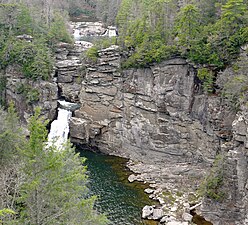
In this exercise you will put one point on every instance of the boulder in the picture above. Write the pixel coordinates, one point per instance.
(157, 214)
(68, 105)
(187, 217)
(147, 211)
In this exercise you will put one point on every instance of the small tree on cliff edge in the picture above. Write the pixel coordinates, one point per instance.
(54, 189)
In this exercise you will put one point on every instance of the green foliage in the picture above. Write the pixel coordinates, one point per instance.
(54, 187)
(206, 76)
(75, 12)
(31, 94)
(58, 31)
(4, 213)
(207, 33)
(187, 26)
(212, 185)
(3, 82)
(41, 184)
(149, 52)
(11, 141)
(24, 24)
(92, 53)
(11, 136)
(35, 58)
(235, 89)
(235, 85)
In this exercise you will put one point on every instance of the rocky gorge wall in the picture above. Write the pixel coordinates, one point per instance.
(159, 117)
(147, 114)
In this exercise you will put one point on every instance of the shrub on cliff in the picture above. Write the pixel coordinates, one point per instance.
(211, 187)
(57, 31)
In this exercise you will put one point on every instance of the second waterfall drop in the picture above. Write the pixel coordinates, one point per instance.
(60, 129)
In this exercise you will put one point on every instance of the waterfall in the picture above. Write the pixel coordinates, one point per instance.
(76, 34)
(60, 129)
(112, 32)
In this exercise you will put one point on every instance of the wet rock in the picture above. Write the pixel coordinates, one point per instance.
(187, 217)
(157, 214)
(147, 211)
(68, 105)
(149, 191)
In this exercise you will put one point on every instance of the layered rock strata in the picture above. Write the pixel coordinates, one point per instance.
(159, 117)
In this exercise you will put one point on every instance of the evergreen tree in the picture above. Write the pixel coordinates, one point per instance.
(11, 141)
(54, 186)
(188, 25)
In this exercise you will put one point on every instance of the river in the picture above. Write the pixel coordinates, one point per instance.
(120, 200)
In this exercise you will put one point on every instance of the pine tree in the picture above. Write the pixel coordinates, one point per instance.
(54, 188)
(187, 25)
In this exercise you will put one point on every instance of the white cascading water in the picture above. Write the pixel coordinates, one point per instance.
(112, 33)
(76, 34)
(59, 131)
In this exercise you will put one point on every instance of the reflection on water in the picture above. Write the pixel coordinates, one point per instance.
(120, 200)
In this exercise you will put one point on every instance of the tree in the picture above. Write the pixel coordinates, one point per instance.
(54, 186)
(234, 15)
(187, 25)
(11, 141)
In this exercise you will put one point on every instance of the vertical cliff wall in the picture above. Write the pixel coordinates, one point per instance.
(147, 114)
(157, 116)
(160, 116)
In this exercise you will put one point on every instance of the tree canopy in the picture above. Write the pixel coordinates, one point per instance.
(44, 186)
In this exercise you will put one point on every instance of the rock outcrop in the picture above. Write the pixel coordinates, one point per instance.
(146, 114)
(28, 94)
(233, 207)
(158, 117)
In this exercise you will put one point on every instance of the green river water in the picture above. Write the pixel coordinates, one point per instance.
(120, 200)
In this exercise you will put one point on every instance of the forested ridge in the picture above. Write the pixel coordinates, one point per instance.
(205, 32)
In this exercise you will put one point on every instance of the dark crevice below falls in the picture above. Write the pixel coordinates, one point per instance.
(120, 200)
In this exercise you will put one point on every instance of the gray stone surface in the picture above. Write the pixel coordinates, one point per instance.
(157, 214)
(147, 211)
(187, 217)
(19, 90)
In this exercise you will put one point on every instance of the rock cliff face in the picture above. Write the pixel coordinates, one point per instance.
(144, 114)
(233, 208)
(158, 117)
(28, 94)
